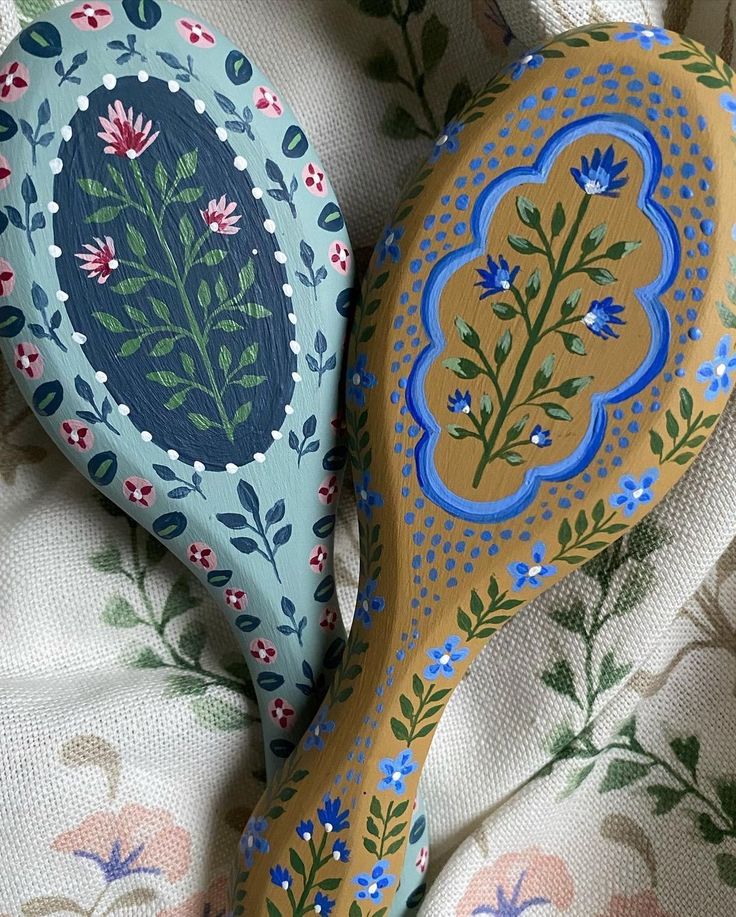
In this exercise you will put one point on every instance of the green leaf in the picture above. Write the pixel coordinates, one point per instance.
(620, 249)
(160, 177)
(192, 640)
(533, 285)
(610, 673)
(656, 443)
(164, 346)
(522, 245)
(185, 686)
(637, 584)
(213, 257)
(118, 612)
(528, 212)
(176, 400)
(503, 310)
(186, 232)
(544, 373)
(621, 773)
(457, 432)
(136, 241)
(248, 381)
(188, 196)
(398, 123)
(103, 215)
(467, 334)
(130, 346)
(383, 66)
(727, 317)
(434, 39)
(179, 601)
(463, 368)
(200, 421)
(486, 407)
(228, 324)
(137, 315)
(107, 560)
(216, 714)
(224, 358)
(576, 778)
(570, 617)
(572, 342)
(571, 301)
(220, 289)
(513, 458)
(593, 239)
(146, 659)
(726, 865)
(666, 798)
(564, 535)
(130, 285)
(93, 188)
(242, 414)
(186, 165)
(297, 864)
(709, 830)
(673, 428)
(247, 275)
(558, 219)
(726, 792)
(561, 679)
(556, 411)
(687, 752)
(399, 730)
(686, 404)
(460, 95)
(160, 308)
(165, 378)
(571, 387)
(248, 356)
(503, 348)
(204, 295)
(378, 8)
(600, 275)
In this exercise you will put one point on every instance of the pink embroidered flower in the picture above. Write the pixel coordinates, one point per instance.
(314, 179)
(99, 261)
(7, 278)
(423, 859)
(202, 555)
(318, 558)
(340, 257)
(268, 102)
(124, 135)
(263, 650)
(328, 489)
(91, 16)
(220, 218)
(195, 33)
(5, 172)
(134, 841)
(28, 360)
(643, 904)
(77, 435)
(213, 902)
(236, 599)
(328, 619)
(281, 713)
(140, 491)
(13, 81)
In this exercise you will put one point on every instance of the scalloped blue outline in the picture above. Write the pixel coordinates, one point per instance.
(637, 136)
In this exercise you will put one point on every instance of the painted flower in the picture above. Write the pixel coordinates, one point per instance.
(448, 141)
(315, 180)
(394, 770)
(139, 490)
(202, 555)
(14, 81)
(367, 498)
(318, 558)
(539, 437)
(388, 247)
(281, 713)
(252, 840)
(281, 877)
(323, 904)
(339, 255)
(28, 360)
(642, 904)
(422, 859)
(332, 817)
(5, 172)
(340, 852)
(634, 493)
(600, 175)
(372, 884)
(532, 574)
(328, 619)
(529, 62)
(100, 261)
(220, 218)
(237, 599)
(317, 730)
(195, 33)
(268, 102)
(368, 603)
(124, 134)
(77, 435)
(728, 102)
(213, 902)
(360, 379)
(134, 841)
(89, 17)
(646, 35)
(497, 278)
(443, 658)
(601, 315)
(305, 830)
(716, 373)
(459, 403)
(263, 651)
(327, 491)
(7, 278)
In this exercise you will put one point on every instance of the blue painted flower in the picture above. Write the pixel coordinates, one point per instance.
(728, 101)
(459, 403)
(601, 314)
(253, 841)
(634, 492)
(371, 884)
(305, 829)
(716, 372)
(497, 278)
(388, 247)
(319, 727)
(359, 379)
(646, 35)
(539, 437)
(367, 498)
(281, 877)
(443, 657)
(530, 62)
(600, 175)
(448, 141)
(394, 771)
(322, 904)
(532, 574)
(330, 816)
(368, 603)
(340, 851)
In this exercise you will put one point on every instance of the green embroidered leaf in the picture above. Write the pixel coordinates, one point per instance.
(561, 679)
(118, 612)
(687, 752)
(107, 560)
(434, 39)
(185, 686)
(192, 640)
(383, 66)
(575, 779)
(666, 798)
(726, 865)
(399, 124)
(621, 773)
(570, 617)
(637, 584)
(179, 601)
(709, 830)
(611, 673)
(726, 792)
(216, 714)
(459, 97)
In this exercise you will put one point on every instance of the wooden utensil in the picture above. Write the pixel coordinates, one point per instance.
(539, 354)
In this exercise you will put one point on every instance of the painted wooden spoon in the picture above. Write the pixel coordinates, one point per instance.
(538, 356)
(175, 277)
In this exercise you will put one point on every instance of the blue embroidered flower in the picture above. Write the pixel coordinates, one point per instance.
(368, 603)
(448, 141)
(601, 315)
(635, 492)
(531, 62)
(388, 247)
(319, 727)
(443, 657)
(513, 906)
(600, 175)
(359, 379)
(532, 574)
(253, 841)
(459, 403)
(540, 437)
(716, 372)
(371, 884)
(728, 101)
(305, 829)
(497, 278)
(367, 498)
(340, 851)
(394, 771)
(281, 877)
(646, 35)
(322, 904)
(330, 816)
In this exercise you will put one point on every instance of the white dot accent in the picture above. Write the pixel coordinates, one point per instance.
(221, 133)
(54, 251)
(56, 165)
(79, 338)
(199, 466)
(259, 457)
(277, 435)
(123, 409)
(231, 468)
(255, 251)
(146, 436)
(52, 207)
(82, 103)
(62, 296)
(288, 289)
(174, 86)
(288, 409)
(240, 163)
(296, 377)
(280, 257)
(269, 226)
(109, 81)
(295, 346)
(257, 193)
(199, 106)
(292, 318)
(66, 132)
(172, 454)
(142, 76)
(101, 376)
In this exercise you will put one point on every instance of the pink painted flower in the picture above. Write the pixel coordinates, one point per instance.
(202, 555)
(100, 261)
(28, 360)
(220, 218)
(124, 135)
(328, 619)
(90, 17)
(212, 903)
(314, 179)
(134, 841)
(5, 172)
(318, 558)
(643, 904)
(195, 33)
(268, 102)
(328, 489)
(140, 491)
(281, 713)
(14, 81)
(423, 860)
(77, 435)
(7, 278)
(340, 257)
(236, 599)
(263, 650)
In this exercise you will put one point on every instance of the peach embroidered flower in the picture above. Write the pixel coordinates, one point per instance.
(211, 903)
(339, 257)
(28, 360)
(139, 490)
(124, 134)
(100, 261)
(195, 33)
(202, 555)
(14, 81)
(7, 278)
(77, 435)
(220, 218)
(267, 102)
(90, 17)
